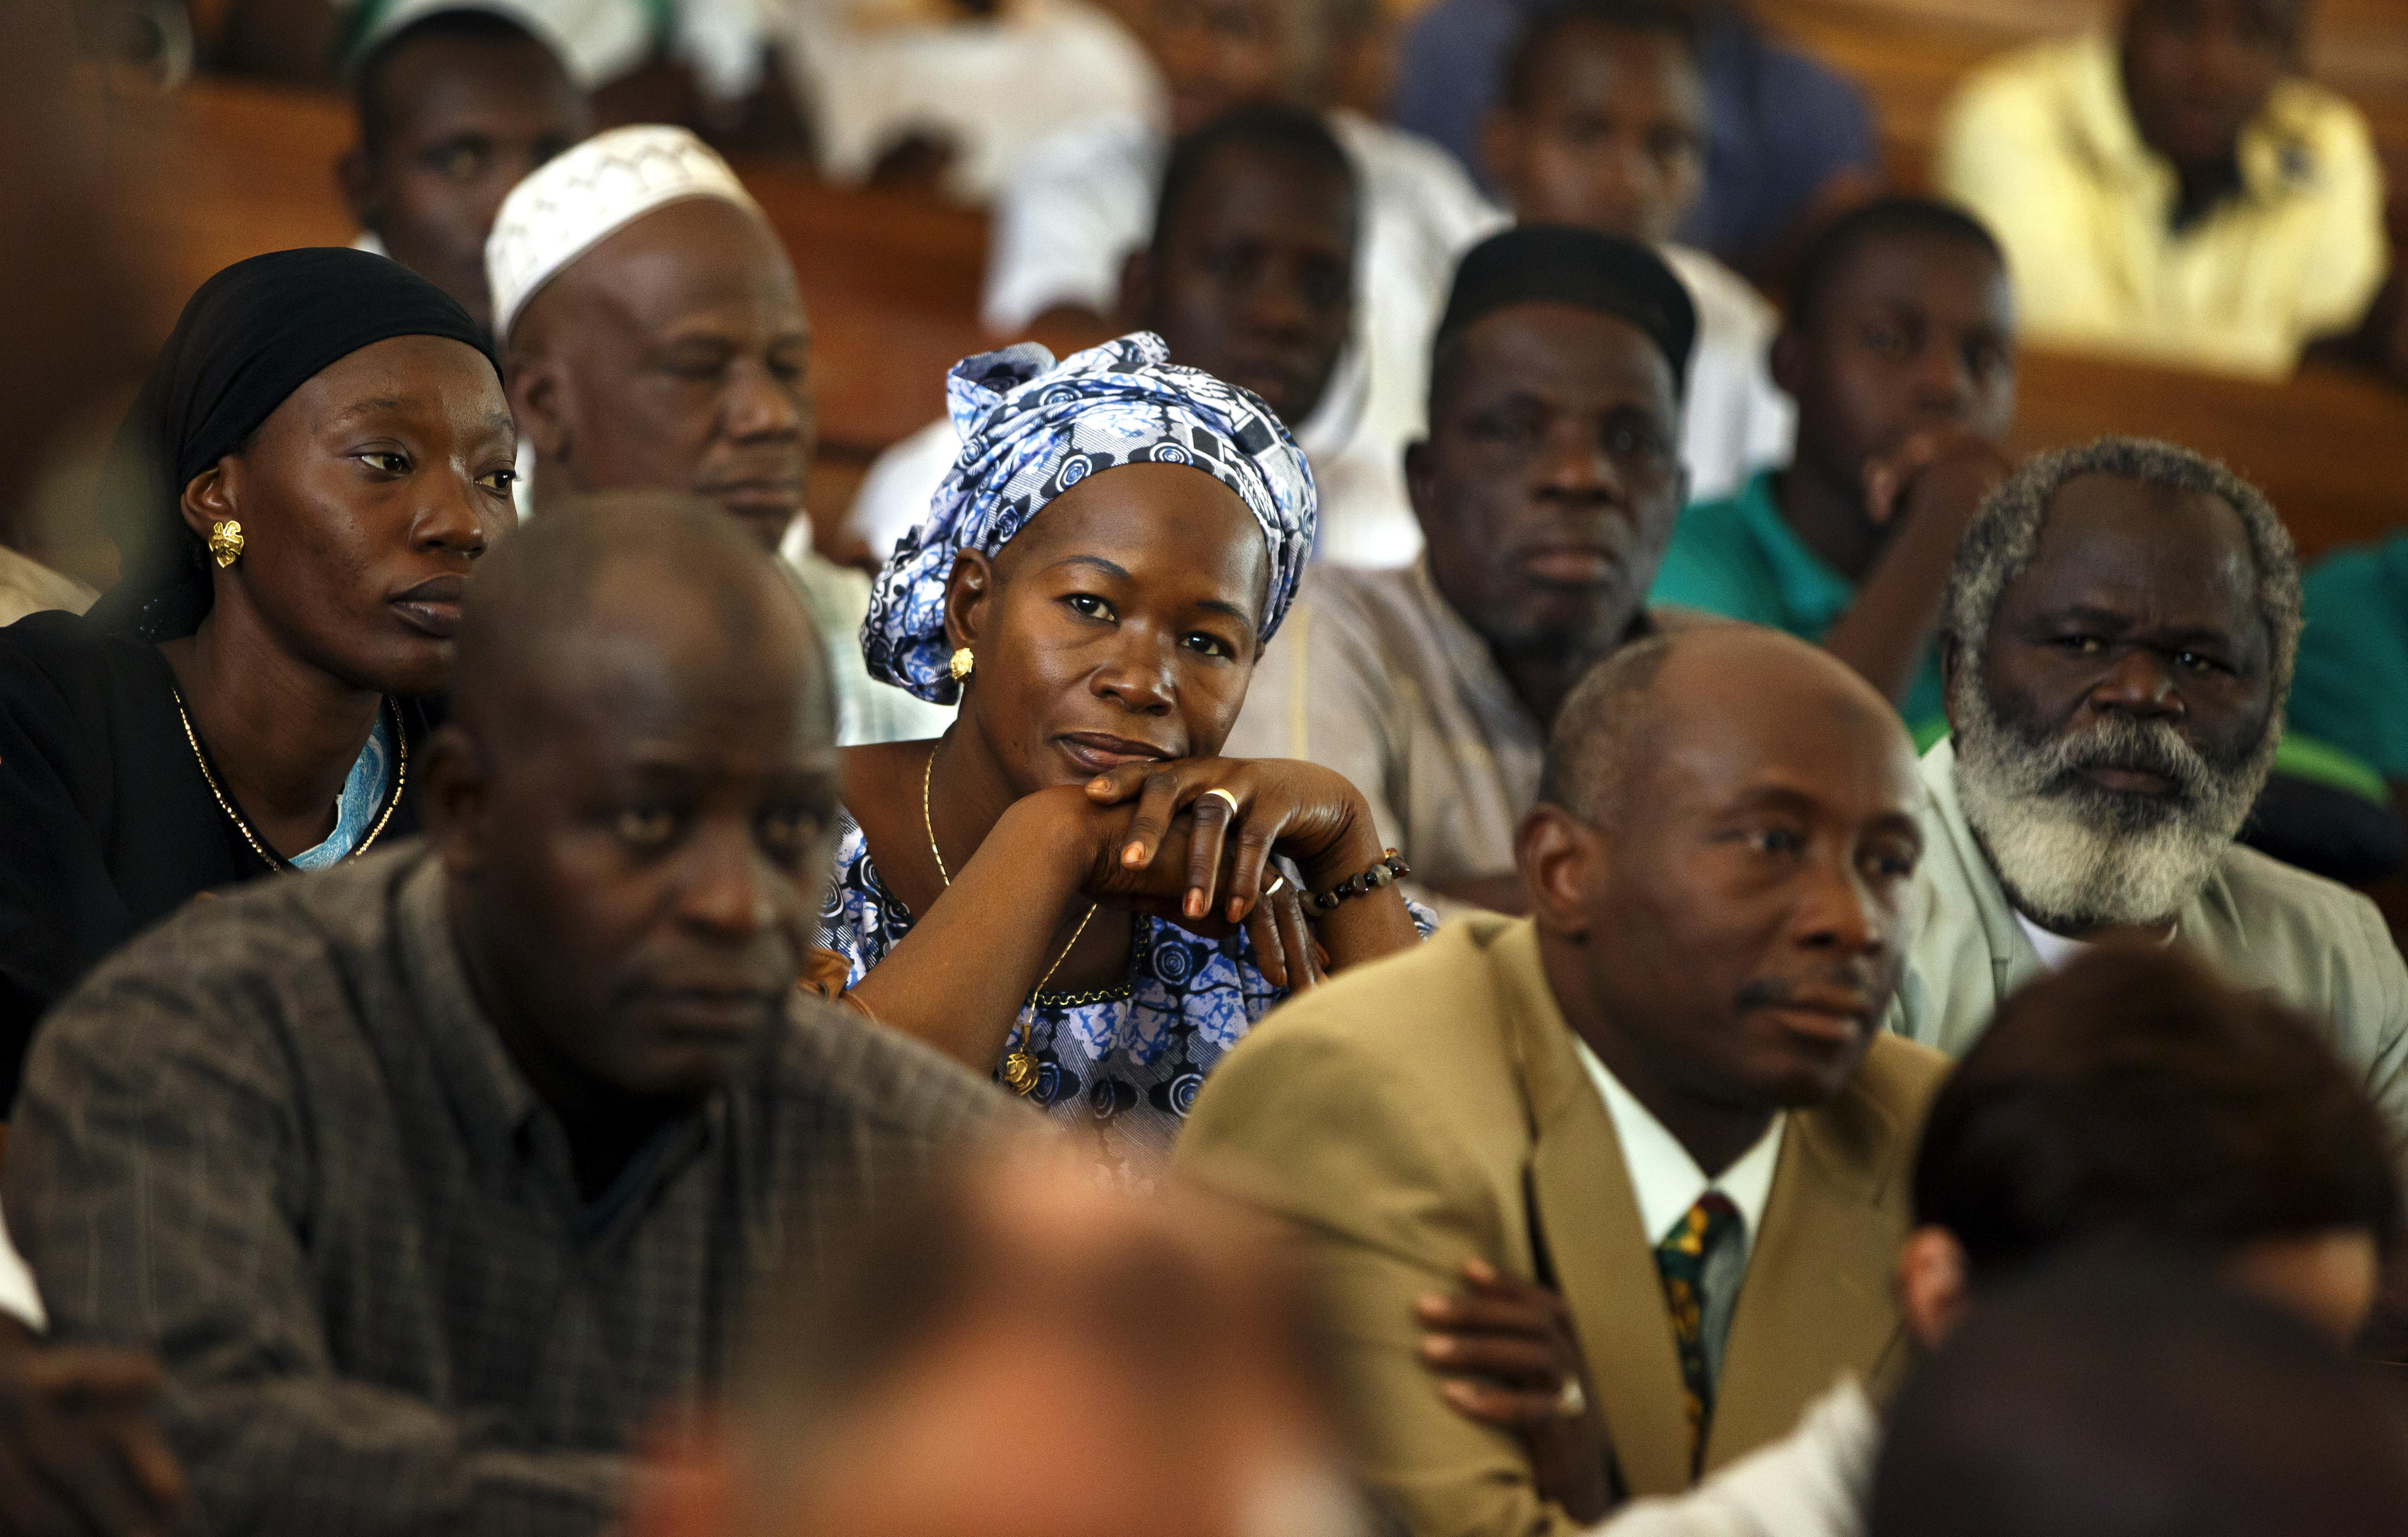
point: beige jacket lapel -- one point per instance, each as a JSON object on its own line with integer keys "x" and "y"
{"x": 1815, "y": 1302}
{"x": 1587, "y": 1219}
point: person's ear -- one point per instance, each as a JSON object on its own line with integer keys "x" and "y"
{"x": 1502, "y": 149}
{"x": 1558, "y": 857}
{"x": 1788, "y": 360}
{"x": 213, "y": 496}
{"x": 536, "y": 389}
{"x": 351, "y": 174}
{"x": 1932, "y": 1294}
{"x": 1137, "y": 291}
{"x": 967, "y": 587}
{"x": 457, "y": 783}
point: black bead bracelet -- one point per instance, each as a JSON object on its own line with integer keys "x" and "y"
{"x": 1390, "y": 868}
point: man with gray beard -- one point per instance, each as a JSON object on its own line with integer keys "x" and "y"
{"x": 2117, "y": 646}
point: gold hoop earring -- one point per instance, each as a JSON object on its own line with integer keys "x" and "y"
{"x": 225, "y": 542}
{"x": 960, "y": 666}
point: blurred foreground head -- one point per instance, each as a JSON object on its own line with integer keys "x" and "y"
{"x": 1025, "y": 1350}
{"x": 2117, "y": 1398}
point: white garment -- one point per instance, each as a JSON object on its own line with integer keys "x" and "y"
{"x": 1734, "y": 420}
{"x": 1364, "y": 518}
{"x": 1815, "y": 1481}
{"x": 1084, "y": 199}
{"x": 600, "y": 41}
{"x": 19, "y": 1297}
{"x": 876, "y": 70}
{"x": 2057, "y": 952}
{"x": 867, "y": 711}
{"x": 1667, "y": 1181}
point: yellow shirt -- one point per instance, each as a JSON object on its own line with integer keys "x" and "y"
{"x": 2042, "y": 144}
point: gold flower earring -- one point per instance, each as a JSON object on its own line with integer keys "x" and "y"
{"x": 960, "y": 666}
{"x": 225, "y": 542}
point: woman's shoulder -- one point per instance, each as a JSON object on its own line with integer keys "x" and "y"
{"x": 58, "y": 661}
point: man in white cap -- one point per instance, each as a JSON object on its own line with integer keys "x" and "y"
{"x": 654, "y": 339}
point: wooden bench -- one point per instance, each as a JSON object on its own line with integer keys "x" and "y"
{"x": 221, "y": 171}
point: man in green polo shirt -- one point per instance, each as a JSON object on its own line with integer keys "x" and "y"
{"x": 1899, "y": 351}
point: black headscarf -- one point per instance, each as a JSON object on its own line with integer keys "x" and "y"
{"x": 1560, "y": 263}
{"x": 248, "y": 338}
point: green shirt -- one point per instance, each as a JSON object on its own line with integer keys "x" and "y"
{"x": 1740, "y": 558}
{"x": 2352, "y": 687}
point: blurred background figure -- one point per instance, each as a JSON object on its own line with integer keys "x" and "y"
{"x": 456, "y": 108}
{"x": 1022, "y": 1350}
{"x": 2175, "y": 190}
{"x": 1790, "y": 139}
{"x": 1601, "y": 123}
{"x": 947, "y": 96}
{"x": 2116, "y": 1397}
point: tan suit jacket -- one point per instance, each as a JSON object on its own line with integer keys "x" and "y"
{"x": 1417, "y": 1112}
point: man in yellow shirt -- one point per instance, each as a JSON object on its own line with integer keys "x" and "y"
{"x": 2176, "y": 192}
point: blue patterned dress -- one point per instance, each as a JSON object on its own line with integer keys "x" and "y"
{"x": 1124, "y": 1063}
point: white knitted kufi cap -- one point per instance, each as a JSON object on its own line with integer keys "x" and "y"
{"x": 572, "y": 202}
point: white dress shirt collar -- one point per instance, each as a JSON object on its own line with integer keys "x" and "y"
{"x": 1664, "y": 1177}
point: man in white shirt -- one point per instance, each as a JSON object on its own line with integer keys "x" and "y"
{"x": 2116, "y": 642}
{"x": 1083, "y": 200}
{"x": 654, "y": 340}
{"x": 2134, "y": 1099}
{"x": 973, "y": 85}
{"x": 1250, "y": 275}
{"x": 1601, "y": 123}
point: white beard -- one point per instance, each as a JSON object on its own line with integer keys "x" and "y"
{"x": 2076, "y": 858}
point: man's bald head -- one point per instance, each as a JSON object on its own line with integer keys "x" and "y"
{"x": 673, "y": 355}
{"x": 1610, "y": 730}
{"x": 1720, "y": 866}
{"x": 638, "y": 803}
{"x": 603, "y": 573}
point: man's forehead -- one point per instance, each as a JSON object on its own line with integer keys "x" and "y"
{"x": 1562, "y": 349}
{"x": 1252, "y": 185}
{"x": 687, "y": 255}
{"x": 2112, "y": 532}
{"x": 1779, "y": 727}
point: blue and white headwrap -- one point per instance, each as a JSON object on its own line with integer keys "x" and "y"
{"x": 1031, "y": 429}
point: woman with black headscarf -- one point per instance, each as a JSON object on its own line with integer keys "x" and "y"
{"x": 319, "y": 453}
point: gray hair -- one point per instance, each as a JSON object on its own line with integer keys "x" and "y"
{"x": 2005, "y": 535}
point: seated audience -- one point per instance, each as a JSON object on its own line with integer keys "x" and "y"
{"x": 948, "y": 95}
{"x": 1156, "y": 1336}
{"x": 2128, "y": 1399}
{"x": 1103, "y": 566}
{"x": 1601, "y": 124}
{"x": 1900, "y": 349}
{"x": 2176, "y": 191}
{"x": 1787, "y": 139}
{"x": 1085, "y": 200}
{"x": 655, "y": 340}
{"x": 319, "y": 453}
{"x": 1249, "y": 278}
{"x": 2131, "y": 1099}
{"x": 455, "y": 109}
{"x": 429, "y": 1179}
{"x": 1547, "y": 488}
{"x": 1667, "y": 1097}
{"x": 2117, "y": 641}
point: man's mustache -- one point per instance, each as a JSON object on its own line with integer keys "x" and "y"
{"x": 2117, "y": 741}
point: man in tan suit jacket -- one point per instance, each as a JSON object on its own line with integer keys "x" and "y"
{"x": 1720, "y": 865}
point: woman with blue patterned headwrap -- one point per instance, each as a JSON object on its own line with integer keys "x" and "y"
{"x": 1068, "y": 887}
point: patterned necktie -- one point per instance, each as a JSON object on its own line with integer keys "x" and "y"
{"x": 1681, "y": 1259}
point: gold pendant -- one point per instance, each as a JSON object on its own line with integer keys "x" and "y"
{"x": 1020, "y": 1072}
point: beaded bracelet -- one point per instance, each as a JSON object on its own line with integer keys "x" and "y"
{"x": 1391, "y": 867}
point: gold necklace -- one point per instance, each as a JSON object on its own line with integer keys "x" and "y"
{"x": 242, "y": 824}
{"x": 1019, "y": 1066}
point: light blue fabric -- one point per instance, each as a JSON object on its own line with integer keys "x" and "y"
{"x": 364, "y": 792}
{"x": 1031, "y": 429}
